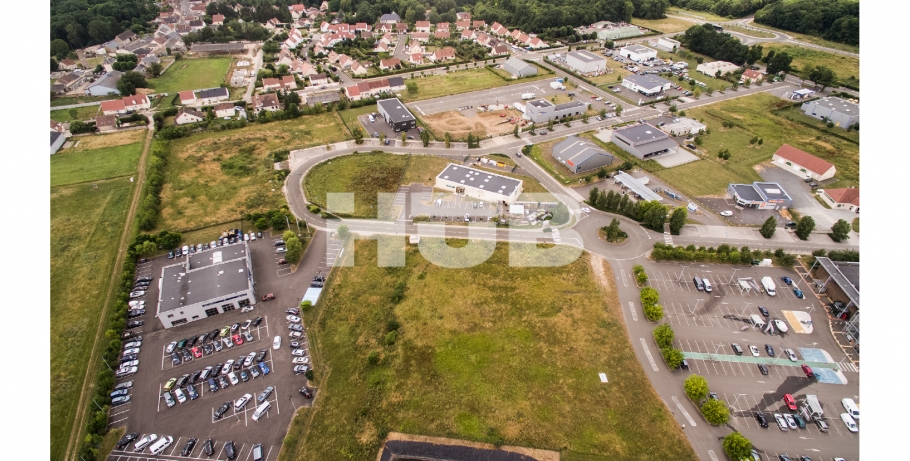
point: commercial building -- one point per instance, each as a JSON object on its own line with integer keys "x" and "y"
{"x": 845, "y": 199}
{"x": 586, "y": 62}
{"x": 760, "y": 195}
{"x": 683, "y": 126}
{"x": 840, "y": 282}
{"x": 519, "y": 68}
{"x": 637, "y": 186}
{"x": 644, "y": 141}
{"x": 648, "y": 85}
{"x": 579, "y": 155}
{"x": 638, "y": 53}
{"x": 836, "y": 110}
{"x": 396, "y": 114}
{"x": 542, "y": 111}
{"x": 206, "y": 284}
{"x": 711, "y": 68}
{"x": 479, "y": 184}
{"x": 802, "y": 163}
{"x": 667, "y": 44}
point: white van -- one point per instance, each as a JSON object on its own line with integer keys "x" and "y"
{"x": 815, "y": 407}
{"x": 851, "y": 408}
{"x": 768, "y": 284}
{"x": 261, "y": 410}
{"x": 708, "y": 287}
{"x": 161, "y": 444}
{"x": 757, "y": 321}
{"x": 144, "y": 442}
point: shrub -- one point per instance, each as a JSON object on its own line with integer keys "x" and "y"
{"x": 390, "y": 337}
{"x": 715, "y": 412}
{"x": 373, "y": 358}
{"x": 663, "y": 335}
{"x": 736, "y": 446}
{"x": 654, "y": 312}
{"x": 696, "y": 387}
{"x": 672, "y": 356}
{"x": 305, "y": 305}
{"x": 262, "y": 224}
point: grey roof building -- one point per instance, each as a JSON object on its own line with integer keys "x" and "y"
{"x": 390, "y": 18}
{"x": 841, "y": 112}
{"x": 57, "y": 140}
{"x": 479, "y": 184}
{"x": 542, "y": 111}
{"x": 323, "y": 98}
{"x": 213, "y": 95}
{"x": 105, "y": 85}
{"x": 648, "y": 85}
{"x": 760, "y": 195}
{"x": 396, "y": 114}
{"x": 519, "y": 68}
{"x": 644, "y": 141}
{"x": 579, "y": 154}
{"x": 840, "y": 282}
{"x": 586, "y": 62}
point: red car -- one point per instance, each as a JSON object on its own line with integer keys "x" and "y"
{"x": 808, "y": 371}
{"x": 237, "y": 339}
{"x": 197, "y": 352}
{"x": 791, "y": 404}
{"x": 268, "y": 297}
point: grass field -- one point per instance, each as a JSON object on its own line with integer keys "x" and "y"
{"x": 474, "y": 364}
{"x": 796, "y": 114}
{"x": 82, "y": 114}
{"x": 192, "y": 74}
{"x": 85, "y": 227}
{"x": 198, "y": 192}
{"x": 676, "y": 11}
{"x": 806, "y": 59}
{"x": 747, "y": 31}
{"x": 68, "y": 100}
{"x": 666, "y": 25}
{"x": 462, "y": 81}
{"x": 86, "y": 164}
{"x": 349, "y": 116}
{"x": 812, "y": 39}
{"x": 753, "y": 116}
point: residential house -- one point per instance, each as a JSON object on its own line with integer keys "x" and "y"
{"x": 442, "y": 34}
{"x": 186, "y": 115}
{"x": 515, "y": 34}
{"x": 463, "y": 16}
{"x": 387, "y": 39}
{"x": 841, "y": 198}
{"x": 285, "y": 83}
{"x": 362, "y": 27}
{"x": 126, "y": 37}
{"x": 105, "y": 85}
{"x": 536, "y": 43}
{"x": 57, "y": 140}
{"x": 267, "y": 101}
{"x": 225, "y": 109}
{"x": 353, "y": 93}
{"x": 443, "y": 54}
{"x": 106, "y": 123}
{"x": 297, "y": 10}
{"x": 462, "y": 25}
{"x": 390, "y": 18}
{"x": 499, "y": 30}
{"x": 187, "y": 97}
{"x": 481, "y": 24}
{"x": 136, "y": 102}
{"x": 318, "y": 80}
{"x": 344, "y": 61}
{"x": 401, "y": 27}
{"x": 483, "y": 38}
{"x": 114, "y": 106}
{"x": 302, "y": 68}
{"x": 386, "y": 28}
{"x": 366, "y": 35}
{"x": 213, "y": 95}
{"x": 358, "y": 69}
{"x": 499, "y": 50}
{"x": 380, "y": 86}
{"x": 59, "y": 127}
{"x": 217, "y": 19}
{"x": 442, "y": 26}
{"x": 523, "y": 39}
{"x": 333, "y": 57}
{"x": 388, "y": 64}
{"x": 752, "y": 76}
{"x": 416, "y": 58}
{"x": 414, "y": 48}
{"x": 339, "y": 28}
{"x": 67, "y": 64}
{"x": 468, "y": 34}
{"x": 422, "y": 37}
{"x": 381, "y": 47}
{"x": 303, "y": 23}
{"x": 423, "y": 26}
{"x": 272, "y": 24}
{"x": 803, "y": 164}
{"x": 324, "y": 6}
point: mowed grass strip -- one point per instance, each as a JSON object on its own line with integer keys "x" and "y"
{"x": 806, "y": 59}
{"x": 192, "y": 74}
{"x": 215, "y": 176}
{"x": 73, "y": 166}
{"x": 82, "y": 114}
{"x": 461, "y": 81}
{"x": 490, "y": 353}
{"x": 85, "y": 228}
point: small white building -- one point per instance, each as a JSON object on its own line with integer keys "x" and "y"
{"x": 586, "y": 62}
{"x": 186, "y": 115}
{"x": 711, "y": 68}
{"x": 648, "y": 85}
{"x": 667, "y": 44}
{"x": 478, "y": 184}
{"x": 638, "y": 53}
{"x": 683, "y": 126}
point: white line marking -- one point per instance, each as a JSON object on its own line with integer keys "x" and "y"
{"x": 684, "y": 412}
{"x": 712, "y": 455}
{"x": 634, "y": 314}
{"x": 648, "y": 353}
{"x": 623, "y": 278}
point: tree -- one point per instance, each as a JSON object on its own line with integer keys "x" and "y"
{"x": 678, "y": 219}
{"x": 840, "y": 231}
{"x": 673, "y": 108}
{"x": 715, "y": 411}
{"x": 779, "y": 63}
{"x": 592, "y": 195}
{"x": 737, "y": 447}
{"x": 382, "y": 137}
{"x": 649, "y": 296}
{"x": 672, "y": 356}
{"x": 448, "y": 139}
{"x": 59, "y": 49}
{"x": 261, "y": 223}
{"x": 768, "y": 228}
{"x": 287, "y": 235}
{"x": 663, "y": 335}
{"x": 404, "y": 137}
{"x": 515, "y": 131}
{"x": 696, "y": 387}
{"x": 804, "y": 227}
{"x": 358, "y": 135}
{"x": 654, "y": 313}
{"x": 146, "y": 248}
{"x": 425, "y": 137}
{"x": 412, "y": 87}
{"x": 550, "y": 125}
{"x": 154, "y": 69}
{"x": 696, "y": 93}
{"x": 654, "y": 214}
{"x": 129, "y": 81}
{"x": 618, "y": 110}
{"x": 343, "y": 232}
{"x": 54, "y": 66}
{"x": 822, "y": 76}
{"x": 294, "y": 250}
{"x": 166, "y": 239}
{"x": 73, "y": 113}
{"x": 98, "y": 69}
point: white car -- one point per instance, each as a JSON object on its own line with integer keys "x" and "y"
{"x": 126, "y": 371}
{"x": 125, "y": 385}
{"x": 781, "y": 422}
{"x": 253, "y": 236}
{"x": 791, "y": 422}
{"x": 170, "y": 347}
{"x": 137, "y": 304}
{"x": 293, "y": 319}
{"x": 186, "y": 250}
{"x": 181, "y": 397}
{"x": 294, "y": 335}
{"x": 586, "y": 210}
{"x": 131, "y": 351}
{"x": 227, "y": 367}
{"x": 131, "y": 363}
{"x": 233, "y": 378}
{"x": 754, "y": 350}
{"x": 242, "y": 401}
{"x": 227, "y": 342}
{"x": 726, "y": 213}
{"x": 297, "y": 352}
{"x": 132, "y": 344}
{"x": 301, "y": 360}
{"x": 276, "y": 343}
{"x": 849, "y": 422}
{"x": 246, "y": 309}
{"x": 790, "y": 354}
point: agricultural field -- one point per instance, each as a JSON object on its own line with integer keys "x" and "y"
{"x": 806, "y": 59}
{"x": 85, "y": 227}
{"x": 461, "y": 81}
{"x": 82, "y": 114}
{"x": 192, "y": 74}
{"x": 410, "y": 350}
{"x": 98, "y": 157}
{"x": 213, "y": 177}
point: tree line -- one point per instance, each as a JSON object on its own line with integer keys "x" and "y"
{"x": 726, "y": 8}
{"x": 835, "y": 20}
{"x": 81, "y": 23}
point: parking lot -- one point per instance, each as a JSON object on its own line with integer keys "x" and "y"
{"x": 372, "y": 129}
{"x": 707, "y": 324}
{"x": 147, "y": 411}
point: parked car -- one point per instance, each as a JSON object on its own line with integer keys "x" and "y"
{"x": 753, "y": 350}
{"x": 790, "y": 402}
{"x": 117, "y": 401}
{"x": 261, "y": 355}
{"x": 208, "y": 447}
{"x": 299, "y": 369}
{"x": 764, "y": 311}
{"x": 237, "y": 340}
{"x": 808, "y": 371}
{"x": 762, "y": 369}
{"x": 188, "y": 448}
{"x": 306, "y": 392}
{"x": 298, "y": 353}
{"x": 168, "y": 399}
{"x": 254, "y": 371}
{"x": 726, "y": 213}
{"x": 798, "y": 293}
{"x": 770, "y": 350}
{"x": 265, "y": 394}
{"x": 249, "y": 359}
{"x": 222, "y": 410}
{"x": 265, "y": 368}
{"x": 126, "y": 439}
{"x": 295, "y": 327}
{"x": 791, "y": 422}
{"x": 191, "y": 392}
{"x": 760, "y": 417}
{"x": 181, "y": 397}
{"x": 256, "y": 322}
{"x": 242, "y": 401}
{"x": 790, "y": 354}
{"x": 787, "y": 280}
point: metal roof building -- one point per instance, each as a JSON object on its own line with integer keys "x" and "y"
{"x": 479, "y": 184}
{"x": 761, "y": 195}
{"x": 519, "y": 68}
{"x": 840, "y": 282}
{"x": 644, "y": 141}
{"x": 396, "y": 114}
{"x": 586, "y": 62}
{"x": 579, "y": 154}
{"x": 636, "y": 186}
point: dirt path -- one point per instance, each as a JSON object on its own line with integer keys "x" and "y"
{"x": 536, "y": 453}
{"x": 88, "y": 385}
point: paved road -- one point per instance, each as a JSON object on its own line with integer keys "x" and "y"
{"x": 257, "y": 64}
{"x": 85, "y": 104}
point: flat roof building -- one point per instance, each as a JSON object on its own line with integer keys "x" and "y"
{"x": 479, "y": 184}
{"x": 683, "y": 126}
{"x": 840, "y": 282}
{"x": 648, "y": 85}
{"x": 760, "y": 195}
{"x": 396, "y": 114}
{"x": 542, "y": 111}
{"x": 638, "y": 53}
{"x": 711, "y": 68}
{"x": 586, "y": 62}
{"x": 519, "y": 68}
{"x": 206, "y": 284}
{"x": 841, "y": 112}
{"x": 638, "y": 187}
{"x": 667, "y": 44}
{"x": 579, "y": 155}
{"x": 644, "y": 141}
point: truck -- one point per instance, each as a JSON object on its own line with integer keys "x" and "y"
{"x": 557, "y": 86}
{"x": 527, "y": 96}
{"x": 768, "y": 284}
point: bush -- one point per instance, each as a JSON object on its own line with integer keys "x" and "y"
{"x": 768, "y": 228}
{"x": 654, "y": 312}
{"x": 696, "y": 388}
{"x": 737, "y": 447}
{"x": 715, "y": 412}
{"x": 261, "y": 224}
{"x": 672, "y": 356}
{"x": 373, "y": 358}
{"x": 663, "y": 335}
{"x": 390, "y": 338}
{"x": 305, "y": 305}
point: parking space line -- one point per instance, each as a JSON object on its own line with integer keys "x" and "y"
{"x": 632, "y": 309}
{"x": 175, "y": 445}
{"x": 648, "y": 354}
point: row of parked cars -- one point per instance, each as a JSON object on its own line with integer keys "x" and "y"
{"x": 228, "y": 238}
{"x": 140, "y": 287}
{"x": 157, "y": 445}
{"x": 129, "y": 365}
{"x": 214, "y": 341}
{"x": 217, "y": 377}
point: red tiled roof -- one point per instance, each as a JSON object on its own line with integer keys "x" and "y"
{"x": 116, "y": 104}
{"x": 187, "y": 96}
{"x": 805, "y": 160}
{"x": 850, "y": 195}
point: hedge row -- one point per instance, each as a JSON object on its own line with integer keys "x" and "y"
{"x": 147, "y": 214}
{"x": 649, "y": 298}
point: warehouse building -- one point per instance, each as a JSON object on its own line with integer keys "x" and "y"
{"x": 206, "y": 284}
{"x": 542, "y": 111}
{"x": 803, "y": 164}
{"x": 478, "y": 184}
{"x": 711, "y": 68}
{"x": 519, "y": 68}
{"x": 644, "y": 141}
{"x": 396, "y": 114}
{"x": 667, "y": 44}
{"x": 580, "y": 155}
{"x": 760, "y": 195}
{"x": 836, "y": 110}
{"x": 840, "y": 282}
{"x": 648, "y": 85}
{"x": 638, "y": 53}
{"x": 586, "y": 62}
{"x": 683, "y": 126}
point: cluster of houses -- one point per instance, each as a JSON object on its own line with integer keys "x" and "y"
{"x": 374, "y": 88}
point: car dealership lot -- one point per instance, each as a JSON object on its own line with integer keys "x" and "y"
{"x": 707, "y": 323}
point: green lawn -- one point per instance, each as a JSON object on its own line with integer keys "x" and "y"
{"x": 69, "y": 100}
{"x": 365, "y": 175}
{"x": 458, "y": 82}
{"x": 794, "y": 113}
{"x": 82, "y": 114}
{"x": 812, "y": 39}
{"x": 198, "y": 193}
{"x": 192, "y": 74}
{"x": 677, "y": 11}
{"x": 513, "y": 359}
{"x": 350, "y": 117}
{"x": 74, "y": 166}
{"x": 666, "y": 25}
{"x": 806, "y": 59}
{"x": 701, "y": 178}
{"x": 85, "y": 227}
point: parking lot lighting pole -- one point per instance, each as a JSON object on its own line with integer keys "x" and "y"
{"x": 96, "y": 404}
{"x": 108, "y": 366}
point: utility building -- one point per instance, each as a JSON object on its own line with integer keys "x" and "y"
{"x": 644, "y": 141}
{"x": 519, "y": 68}
{"x": 836, "y": 110}
{"x": 542, "y": 111}
{"x": 478, "y": 184}
{"x": 760, "y": 195}
{"x": 396, "y": 114}
{"x": 206, "y": 284}
{"x": 586, "y": 62}
{"x": 579, "y": 155}
{"x": 638, "y": 53}
{"x": 648, "y": 85}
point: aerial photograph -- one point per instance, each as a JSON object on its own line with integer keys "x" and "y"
{"x": 455, "y": 230}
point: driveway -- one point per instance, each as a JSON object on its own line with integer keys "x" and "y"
{"x": 803, "y": 199}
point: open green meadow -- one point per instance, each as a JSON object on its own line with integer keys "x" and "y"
{"x": 82, "y": 114}
{"x": 511, "y": 360}
{"x": 806, "y": 59}
{"x": 80, "y": 165}
{"x": 192, "y": 74}
{"x": 461, "y": 81}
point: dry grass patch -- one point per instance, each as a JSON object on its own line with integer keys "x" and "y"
{"x": 481, "y": 124}
{"x": 109, "y": 140}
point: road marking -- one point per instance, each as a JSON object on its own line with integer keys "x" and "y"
{"x": 648, "y": 353}
{"x": 634, "y": 314}
{"x": 684, "y": 412}
{"x": 623, "y": 278}
{"x": 712, "y": 455}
